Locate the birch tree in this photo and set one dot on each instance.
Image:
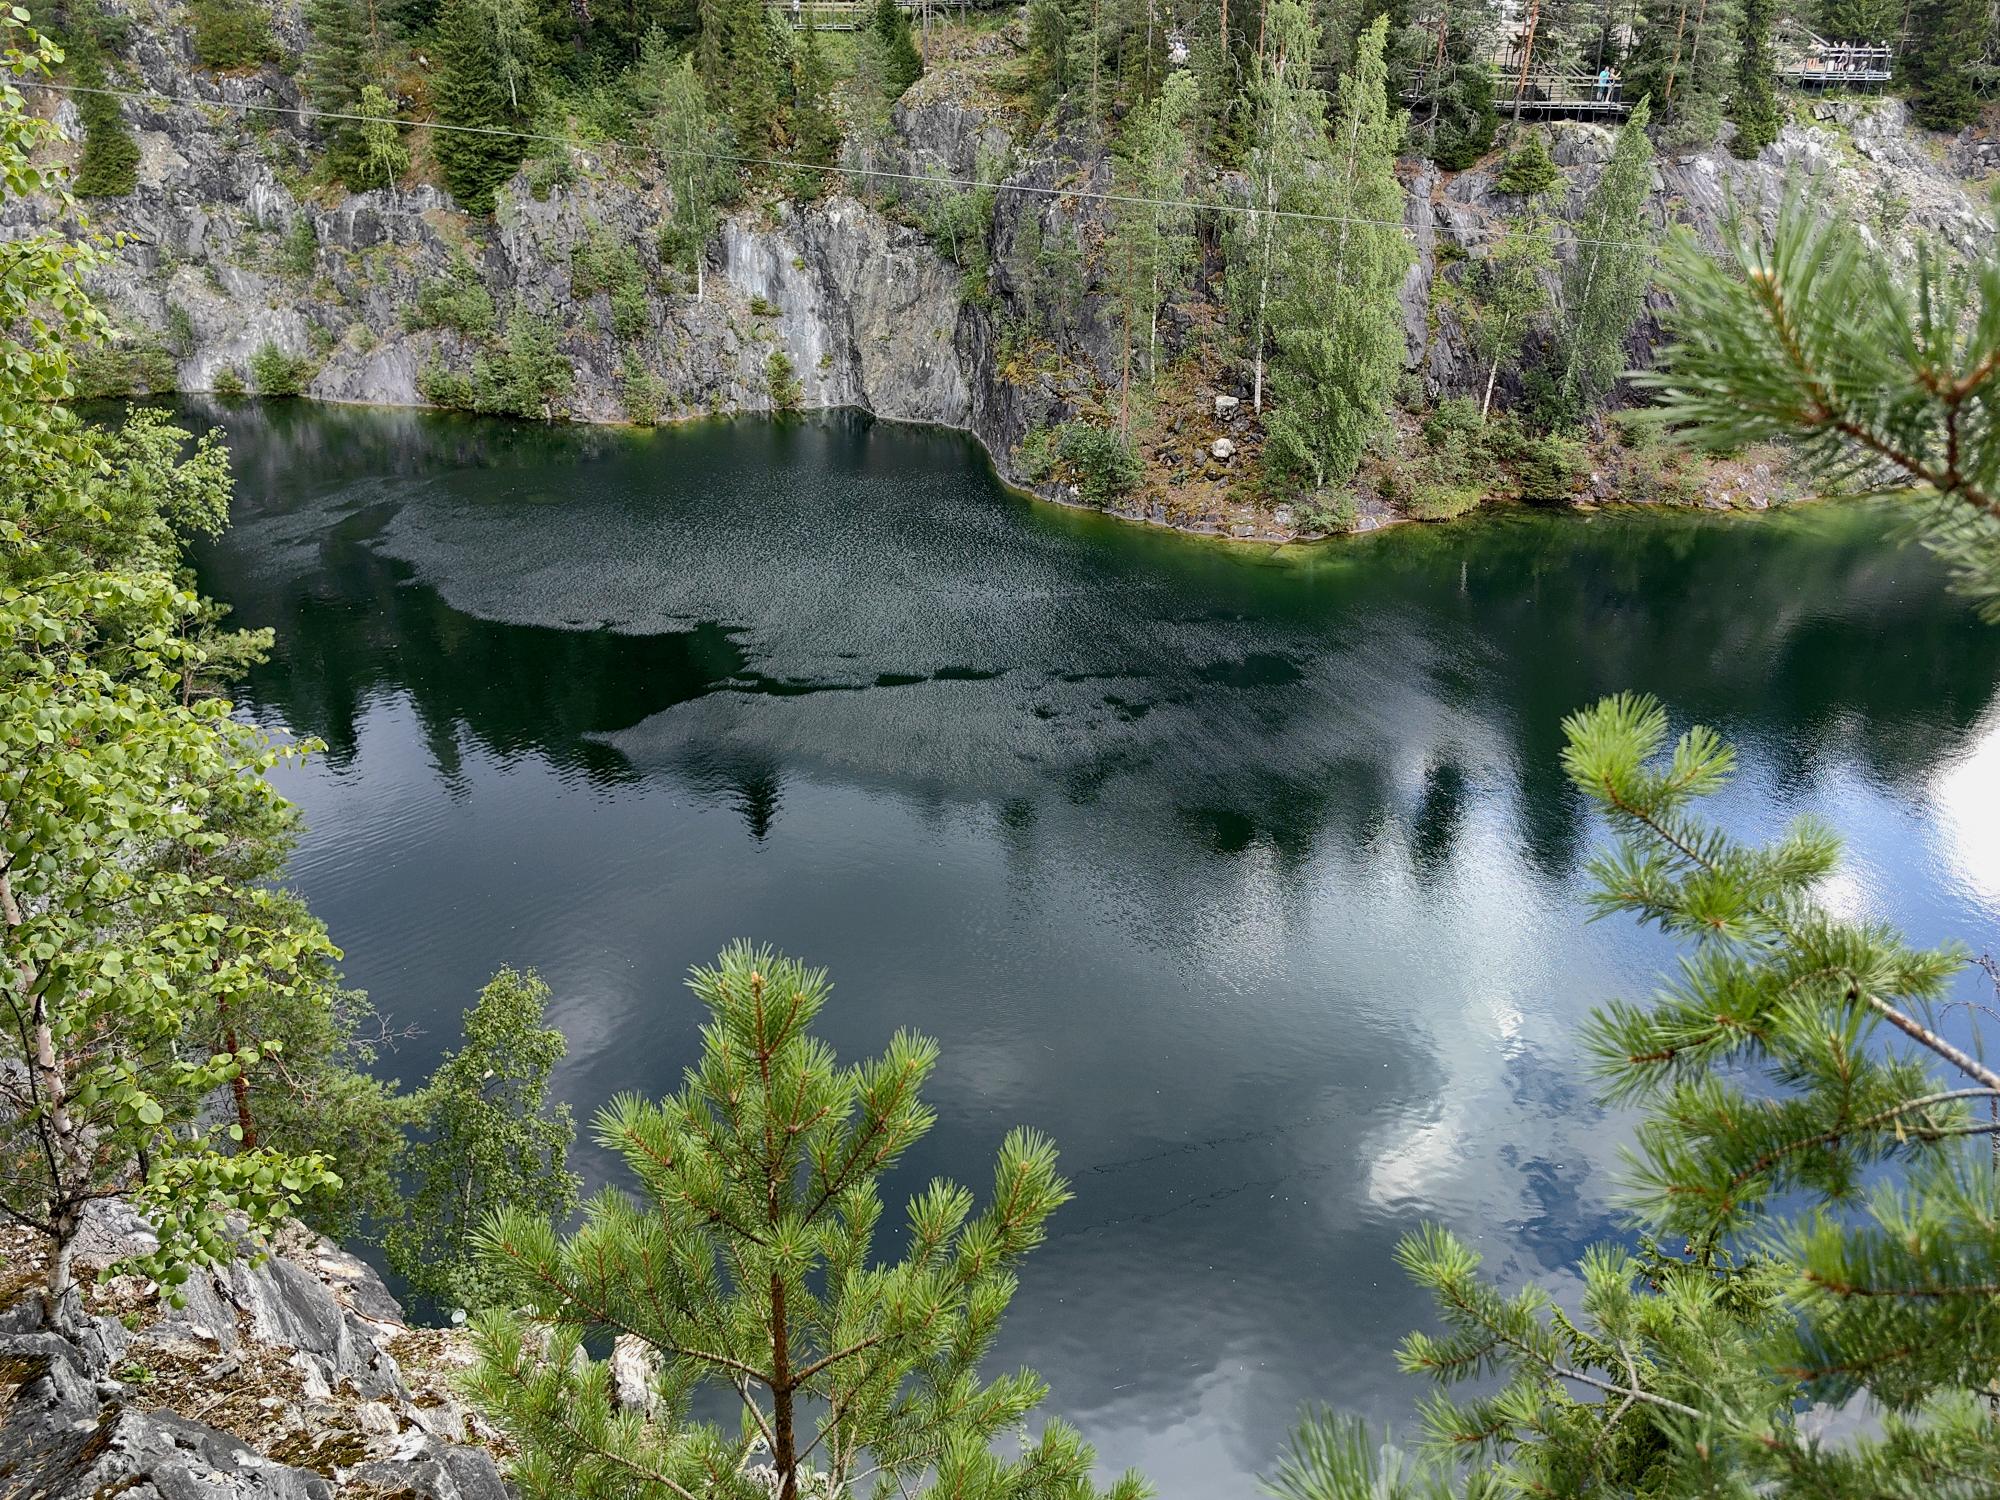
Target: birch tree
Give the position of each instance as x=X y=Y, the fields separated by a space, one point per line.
x=1338 y=333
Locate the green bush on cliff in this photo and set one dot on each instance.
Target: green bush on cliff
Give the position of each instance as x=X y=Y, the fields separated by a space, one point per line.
x=458 y=300
x=277 y=373
x=230 y=33
x=1100 y=458
x=109 y=165
x=786 y=392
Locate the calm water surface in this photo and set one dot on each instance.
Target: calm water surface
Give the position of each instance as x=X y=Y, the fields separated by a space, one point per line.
x=1250 y=877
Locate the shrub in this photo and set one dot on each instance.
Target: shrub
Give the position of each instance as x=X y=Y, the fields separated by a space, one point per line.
x=441 y=386
x=229 y=382
x=298 y=251
x=1550 y=468
x=527 y=376
x=277 y=373
x=180 y=330
x=1529 y=169
x=786 y=392
x=1102 y=460
x=458 y=300
x=1035 y=454
x=763 y=307
x=643 y=393
x=230 y=33
x=1455 y=418
x=110 y=368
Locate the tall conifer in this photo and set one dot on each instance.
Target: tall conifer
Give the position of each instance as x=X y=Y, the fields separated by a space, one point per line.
x=478 y=154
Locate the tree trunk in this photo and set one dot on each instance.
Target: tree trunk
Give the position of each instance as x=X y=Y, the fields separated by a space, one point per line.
x=239 y=1091
x=1487 y=405
x=784 y=1443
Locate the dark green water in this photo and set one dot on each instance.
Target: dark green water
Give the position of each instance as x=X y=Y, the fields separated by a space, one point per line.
x=1251 y=878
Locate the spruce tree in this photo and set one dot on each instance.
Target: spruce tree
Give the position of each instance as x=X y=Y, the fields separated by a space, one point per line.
x=476 y=154
x=746 y=1262
x=1338 y=330
x=736 y=57
x=340 y=64
x=1940 y=59
x=1876 y=21
x=815 y=124
x=109 y=164
x=1606 y=283
x=902 y=63
x=1754 y=106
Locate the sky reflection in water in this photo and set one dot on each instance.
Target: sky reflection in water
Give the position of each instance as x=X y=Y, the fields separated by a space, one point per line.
x=1249 y=877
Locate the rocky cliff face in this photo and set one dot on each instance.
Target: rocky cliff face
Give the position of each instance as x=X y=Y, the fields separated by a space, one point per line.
x=294 y=1379
x=866 y=309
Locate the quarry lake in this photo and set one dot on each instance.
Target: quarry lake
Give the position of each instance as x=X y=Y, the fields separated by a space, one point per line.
x=1251 y=877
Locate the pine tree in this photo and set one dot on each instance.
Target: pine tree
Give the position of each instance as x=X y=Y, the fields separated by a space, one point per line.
x=1754 y=106
x=1605 y=287
x=476 y=154
x=1874 y=381
x=747 y=1263
x=1338 y=330
x=491 y=1142
x=902 y=63
x=1940 y=57
x=1818 y=1141
x=1528 y=169
x=1440 y=55
x=1151 y=245
x=1860 y=20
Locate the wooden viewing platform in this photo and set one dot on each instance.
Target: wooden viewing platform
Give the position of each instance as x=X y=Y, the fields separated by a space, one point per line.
x=1541 y=95
x=1824 y=65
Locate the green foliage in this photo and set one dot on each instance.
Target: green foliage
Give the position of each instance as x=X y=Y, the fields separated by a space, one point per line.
x=1754 y=106
x=458 y=300
x=229 y=383
x=692 y=142
x=123 y=792
x=1809 y=336
x=1549 y=468
x=298 y=251
x=1529 y=169
x=1605 y=287
x=1860 y=20
x=1684 y=63
x=490 y=1141
x=383 y=157
x=1338 y=330
x=1510 y=295
x=902 y=63
x=1808 y=1134
x=109 y=164
x=1940 y=59
x=748 y=1264
x=736 y=57
x=475 y=91
x=344 y=76
x=122 y=367
x=231 y=34
x=782 y=382
x=603 y=262
x=1151 y=246
x=1099 y=459
x=277 y=373
x=813 y=120
x=643 y=393
x=527 y=376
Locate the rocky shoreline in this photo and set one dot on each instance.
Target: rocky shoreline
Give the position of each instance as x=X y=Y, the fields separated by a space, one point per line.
x=228 y=251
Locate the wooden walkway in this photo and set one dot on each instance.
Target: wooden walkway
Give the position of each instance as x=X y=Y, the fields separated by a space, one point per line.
x=1541 y=96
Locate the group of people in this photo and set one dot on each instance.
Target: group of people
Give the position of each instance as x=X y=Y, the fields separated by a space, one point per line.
x=1609 y=82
